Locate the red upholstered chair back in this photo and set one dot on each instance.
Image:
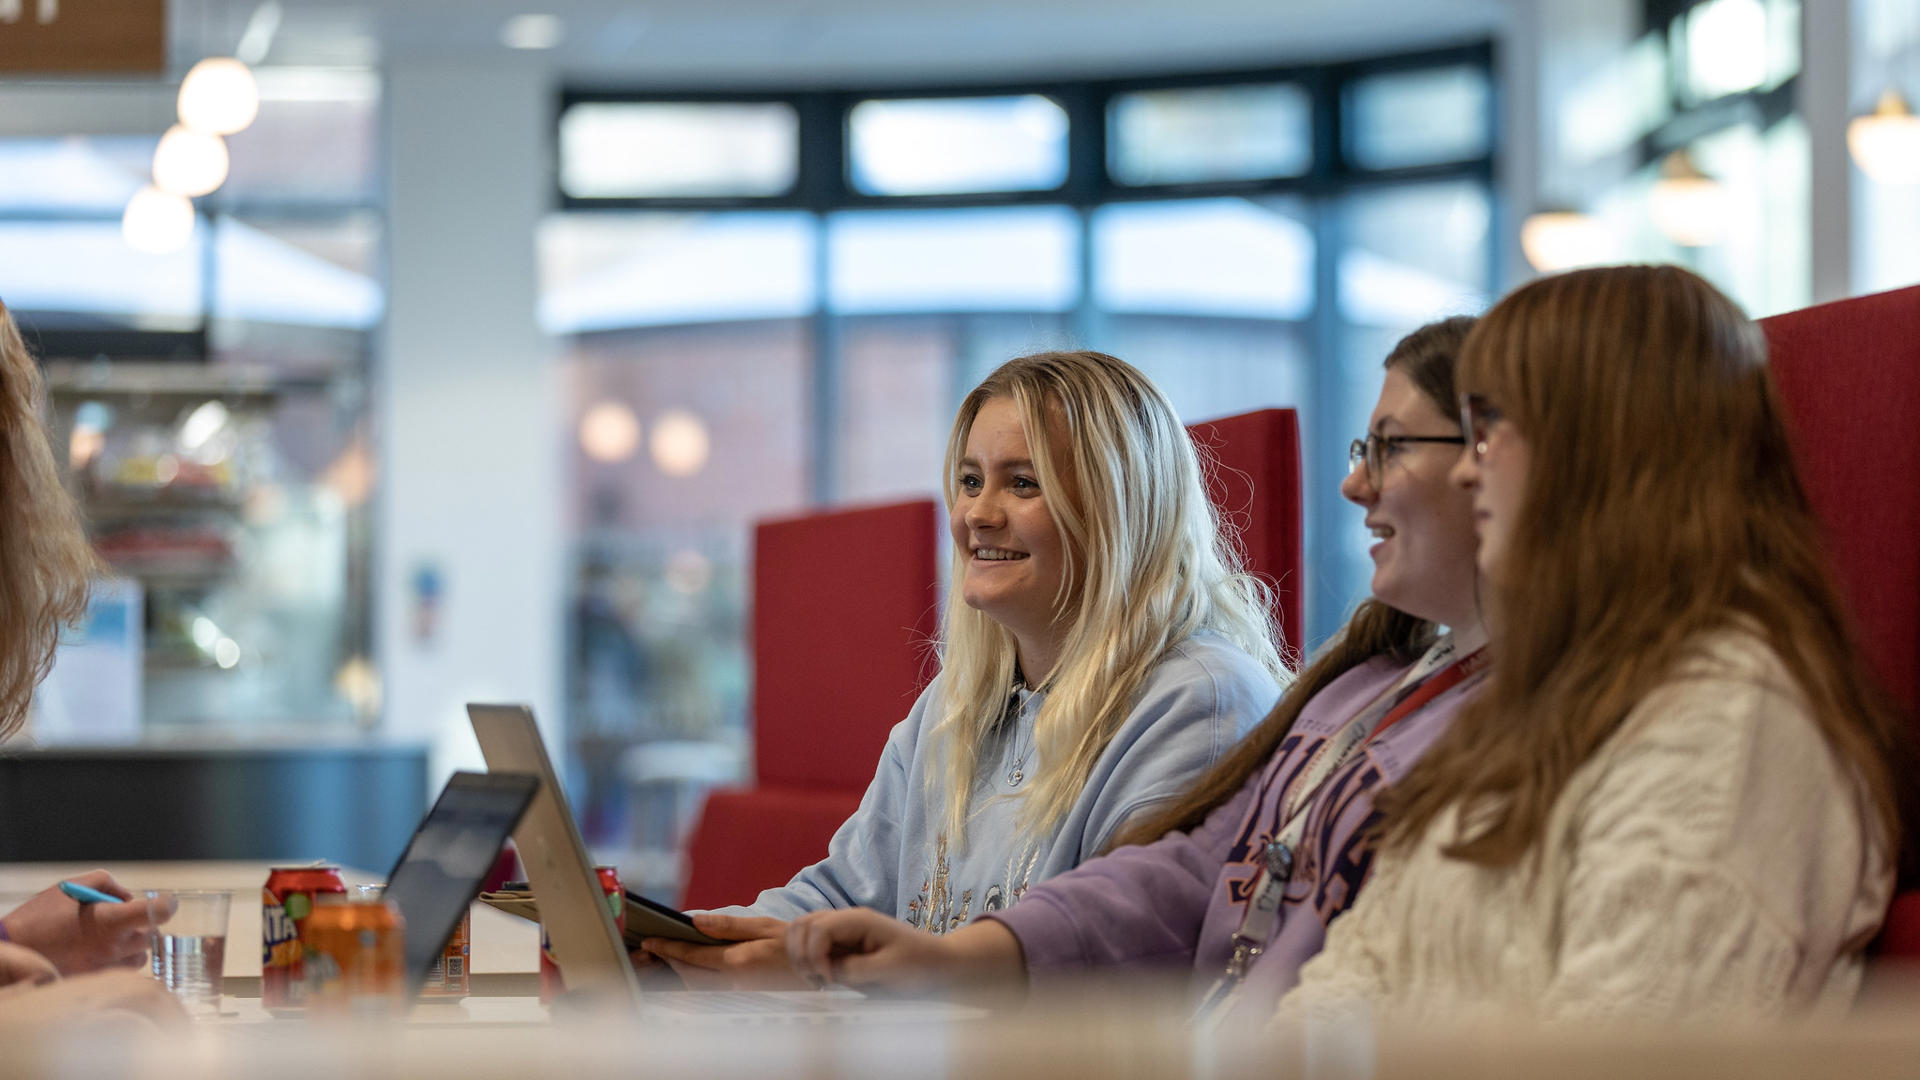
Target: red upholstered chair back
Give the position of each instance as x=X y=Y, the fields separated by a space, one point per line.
x=1254 y=478
x=844 y=607
x=1849 y=377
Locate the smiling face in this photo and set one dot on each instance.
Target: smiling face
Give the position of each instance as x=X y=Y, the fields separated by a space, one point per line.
x=1423 y=558
x=1014 y=555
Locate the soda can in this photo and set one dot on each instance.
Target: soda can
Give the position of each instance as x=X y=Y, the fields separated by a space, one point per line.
x=448 y=976
x=286 y=902
x=356 y=963
x=552 y=984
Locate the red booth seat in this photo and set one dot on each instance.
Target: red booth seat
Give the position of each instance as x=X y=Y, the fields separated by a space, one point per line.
x=844 y=612
x=1849 y=378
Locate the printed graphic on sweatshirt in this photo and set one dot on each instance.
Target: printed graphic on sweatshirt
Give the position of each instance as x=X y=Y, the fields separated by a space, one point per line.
x=937 y=911
x=1332 y=862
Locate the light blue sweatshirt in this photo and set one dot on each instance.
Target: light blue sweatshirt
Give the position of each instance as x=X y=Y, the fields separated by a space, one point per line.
x=892 y=856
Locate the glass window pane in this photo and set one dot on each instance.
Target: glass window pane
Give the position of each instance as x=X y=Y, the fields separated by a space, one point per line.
x=948 y=146
x=1211 y=368
x=1423 y=117
x=1415 y=253
x=82 y=273
x=1210 y=133
x=902 y=377
x=80 y=175
x=662 y=518
x=1236 y=257
x=604 y=271
x=316 y=140
x=678 y=149
x=1022 y=259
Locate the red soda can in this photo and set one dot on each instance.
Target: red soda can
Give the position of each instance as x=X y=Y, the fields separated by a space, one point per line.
x=448 y=976
x=286 y=901
x=552 y=985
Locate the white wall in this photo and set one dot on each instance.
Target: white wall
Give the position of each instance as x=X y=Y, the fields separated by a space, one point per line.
x=470 y=462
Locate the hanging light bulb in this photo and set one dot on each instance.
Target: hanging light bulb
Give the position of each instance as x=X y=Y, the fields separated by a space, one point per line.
x=157 y=222
x=1687 y=205
x=1559 y=239
x=189 y=163
x=1886 y=142
x=219 y=97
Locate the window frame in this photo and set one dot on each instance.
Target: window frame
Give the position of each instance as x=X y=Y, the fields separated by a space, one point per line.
x=823 y=180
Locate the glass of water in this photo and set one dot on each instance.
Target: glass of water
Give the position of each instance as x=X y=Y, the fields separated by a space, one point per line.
x=187 y=929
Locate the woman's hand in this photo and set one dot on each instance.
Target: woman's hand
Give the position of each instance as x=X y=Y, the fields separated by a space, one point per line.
x=22 y=967
x=757 y=958
x=105 y=996
x=82 y=937
x=864 y=948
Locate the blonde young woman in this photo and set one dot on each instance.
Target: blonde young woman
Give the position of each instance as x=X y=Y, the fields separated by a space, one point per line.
x=1677 y=795
x=1101 y=649
x=45 y=567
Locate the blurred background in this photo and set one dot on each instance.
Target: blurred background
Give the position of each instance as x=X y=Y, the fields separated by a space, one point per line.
x=406 y=354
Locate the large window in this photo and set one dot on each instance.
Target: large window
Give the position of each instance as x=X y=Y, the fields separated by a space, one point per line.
x=1249 y=239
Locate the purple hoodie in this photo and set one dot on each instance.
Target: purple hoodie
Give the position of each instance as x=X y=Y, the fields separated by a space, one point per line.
x=1177 y=902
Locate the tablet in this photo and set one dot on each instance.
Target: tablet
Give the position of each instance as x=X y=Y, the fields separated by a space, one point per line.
x=644 y=917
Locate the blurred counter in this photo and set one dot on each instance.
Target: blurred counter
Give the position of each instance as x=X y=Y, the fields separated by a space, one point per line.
x=351 y=801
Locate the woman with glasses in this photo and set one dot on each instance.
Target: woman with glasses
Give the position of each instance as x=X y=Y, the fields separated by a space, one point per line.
x=1676 y=795
x=1237 y=881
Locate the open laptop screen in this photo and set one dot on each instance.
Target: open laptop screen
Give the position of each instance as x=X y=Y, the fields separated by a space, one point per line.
x=448 y=858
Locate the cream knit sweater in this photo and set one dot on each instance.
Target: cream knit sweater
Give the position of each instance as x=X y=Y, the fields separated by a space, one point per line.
x=1712 y=859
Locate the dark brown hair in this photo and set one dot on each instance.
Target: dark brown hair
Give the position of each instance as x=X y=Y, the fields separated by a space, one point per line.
x=1426 y=357
x=1661 y=505
x=45 y=563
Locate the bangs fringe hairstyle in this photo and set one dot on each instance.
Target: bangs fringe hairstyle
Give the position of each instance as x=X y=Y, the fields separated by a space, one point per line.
x=1661 y=505
x=1426 y=357
x=45 y=562
x=1147 y=564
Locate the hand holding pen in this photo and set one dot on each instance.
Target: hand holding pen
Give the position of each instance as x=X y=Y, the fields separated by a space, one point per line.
x=86 y=923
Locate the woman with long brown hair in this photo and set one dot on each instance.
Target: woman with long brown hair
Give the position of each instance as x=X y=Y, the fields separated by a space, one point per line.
x=45 y=567
x=1280 y=827
x=1677 y=794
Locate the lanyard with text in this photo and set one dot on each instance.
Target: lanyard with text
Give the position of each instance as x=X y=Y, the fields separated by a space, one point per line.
x=1427 y=680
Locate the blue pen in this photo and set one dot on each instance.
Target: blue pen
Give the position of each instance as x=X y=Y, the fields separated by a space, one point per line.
x=88 y=896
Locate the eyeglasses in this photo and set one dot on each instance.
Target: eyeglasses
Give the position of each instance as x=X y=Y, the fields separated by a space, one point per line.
x=1372 y=451
x=1477 y=417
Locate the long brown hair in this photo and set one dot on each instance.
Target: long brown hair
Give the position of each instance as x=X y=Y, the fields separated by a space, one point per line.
x=1426 y=357
x=1661 y=504
x=45 y=563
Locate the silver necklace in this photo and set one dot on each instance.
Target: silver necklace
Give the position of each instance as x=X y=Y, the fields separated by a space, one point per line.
x=1018 y=771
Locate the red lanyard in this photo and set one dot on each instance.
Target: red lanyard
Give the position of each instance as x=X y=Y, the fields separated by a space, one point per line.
x=1429 y=688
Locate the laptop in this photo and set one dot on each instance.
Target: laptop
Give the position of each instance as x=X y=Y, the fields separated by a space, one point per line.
x=580 y=925
x=448 y=858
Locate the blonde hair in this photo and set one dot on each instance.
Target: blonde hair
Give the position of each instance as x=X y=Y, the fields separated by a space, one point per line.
x=45 y=562
x=1148 y=563
x=1661 y=505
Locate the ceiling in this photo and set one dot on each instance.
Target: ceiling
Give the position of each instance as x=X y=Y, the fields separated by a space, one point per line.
x=749 y=43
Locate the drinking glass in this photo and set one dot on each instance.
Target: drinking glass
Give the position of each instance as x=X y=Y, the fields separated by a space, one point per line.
x=187 y=929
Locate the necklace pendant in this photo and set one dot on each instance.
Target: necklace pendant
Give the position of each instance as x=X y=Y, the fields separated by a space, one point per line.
x=1014 y=777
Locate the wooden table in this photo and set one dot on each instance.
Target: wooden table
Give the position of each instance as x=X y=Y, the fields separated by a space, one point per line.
x=506 y=950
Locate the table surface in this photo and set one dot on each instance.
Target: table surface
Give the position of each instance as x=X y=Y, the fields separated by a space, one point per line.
x=505 y=956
